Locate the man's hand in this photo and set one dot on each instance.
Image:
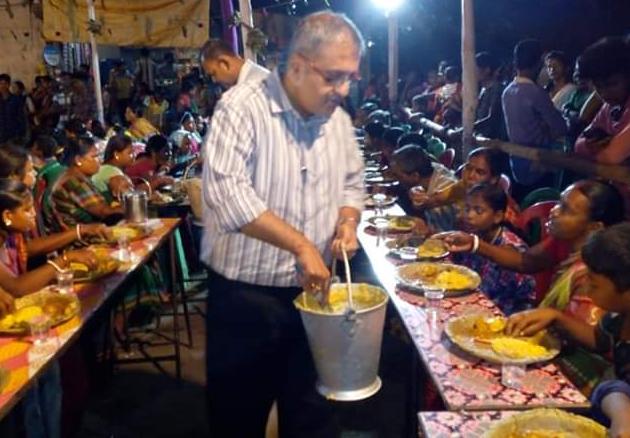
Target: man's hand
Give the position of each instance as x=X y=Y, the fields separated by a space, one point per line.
x=6 y=303
x=315 y=276
x=530 y=322
x=346 y=236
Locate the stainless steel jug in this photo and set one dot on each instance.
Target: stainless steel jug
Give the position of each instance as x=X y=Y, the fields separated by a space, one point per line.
x=136 y=203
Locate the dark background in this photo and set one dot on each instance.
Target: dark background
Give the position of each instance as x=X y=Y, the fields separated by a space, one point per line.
x=430 y=29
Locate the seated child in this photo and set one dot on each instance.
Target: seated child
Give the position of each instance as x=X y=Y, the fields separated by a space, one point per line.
x=607 y=258
x=484 y=215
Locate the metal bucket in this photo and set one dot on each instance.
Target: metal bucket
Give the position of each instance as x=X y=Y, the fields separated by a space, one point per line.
x=346 y=347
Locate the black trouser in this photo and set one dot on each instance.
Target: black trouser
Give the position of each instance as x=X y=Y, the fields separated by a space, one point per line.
x=256 y=353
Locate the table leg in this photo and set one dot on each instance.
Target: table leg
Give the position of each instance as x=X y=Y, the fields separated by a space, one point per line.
x=174 y=305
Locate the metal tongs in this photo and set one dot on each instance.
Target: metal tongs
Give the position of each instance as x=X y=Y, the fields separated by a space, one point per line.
x=323 y=297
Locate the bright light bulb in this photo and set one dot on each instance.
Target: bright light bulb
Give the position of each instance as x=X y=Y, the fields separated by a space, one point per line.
x=388 y=5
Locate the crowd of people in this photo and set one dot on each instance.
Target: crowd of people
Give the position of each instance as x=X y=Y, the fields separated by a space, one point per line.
x=283 y=188
x=573 y=278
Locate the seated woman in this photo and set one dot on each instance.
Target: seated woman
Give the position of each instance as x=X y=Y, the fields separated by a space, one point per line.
x=74 y=198
x=484 y=215
x=584 y=208
x=482 y=165
x=41 y=404
x=187 y=130
x=16 y=164
x=609 y=287
x=17 y=218
x=154 y=163
x=139 y=127
x=607 y=64
x=110 y=180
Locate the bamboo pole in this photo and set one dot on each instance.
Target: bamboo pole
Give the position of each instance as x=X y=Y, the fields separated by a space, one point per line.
x=245 y=8
x=392 y=41
x=469 y=77
x=576 y=163
x=96 y=70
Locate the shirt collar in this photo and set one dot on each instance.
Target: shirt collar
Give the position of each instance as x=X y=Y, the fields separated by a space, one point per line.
x=523 y=80
x=280 y=102
x=242 y=75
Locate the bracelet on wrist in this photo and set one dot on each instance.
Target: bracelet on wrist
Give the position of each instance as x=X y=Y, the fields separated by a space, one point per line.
x=79 y=237
x=55 y=265
x=475 y=246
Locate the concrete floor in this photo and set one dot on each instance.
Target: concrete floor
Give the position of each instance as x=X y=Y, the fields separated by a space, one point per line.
x=140 y=401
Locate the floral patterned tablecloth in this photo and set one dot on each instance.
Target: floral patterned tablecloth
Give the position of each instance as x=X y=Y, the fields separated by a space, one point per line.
x=464 y=381
x=458 y=424
x=16 y=353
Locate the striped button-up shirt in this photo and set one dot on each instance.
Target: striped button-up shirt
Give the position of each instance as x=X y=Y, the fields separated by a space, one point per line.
x=262 y=155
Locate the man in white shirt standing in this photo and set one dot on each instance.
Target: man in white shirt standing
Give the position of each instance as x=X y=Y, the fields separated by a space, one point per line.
x=283 y=187
x=226 y=67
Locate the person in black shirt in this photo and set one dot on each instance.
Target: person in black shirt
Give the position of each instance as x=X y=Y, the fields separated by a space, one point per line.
x=12 y=115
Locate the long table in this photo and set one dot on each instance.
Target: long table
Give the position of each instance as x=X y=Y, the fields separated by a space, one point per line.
x=459 y=424
x=16 y=353
x=464 y=382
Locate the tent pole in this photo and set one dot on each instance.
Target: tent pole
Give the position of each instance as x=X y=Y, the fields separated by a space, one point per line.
x=96 y=71
x=469 y=77
x=392 y=40
x=245 y=7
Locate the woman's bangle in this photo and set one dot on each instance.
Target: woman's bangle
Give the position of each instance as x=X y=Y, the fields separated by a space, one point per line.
x=79 y=238
x=475 y=246
x=55 y=265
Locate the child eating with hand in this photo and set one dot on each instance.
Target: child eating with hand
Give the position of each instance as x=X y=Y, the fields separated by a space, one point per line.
x=607 y=258
x=484 y=215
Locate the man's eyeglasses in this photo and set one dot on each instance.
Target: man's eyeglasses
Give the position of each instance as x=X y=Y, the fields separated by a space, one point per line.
x=333 y=79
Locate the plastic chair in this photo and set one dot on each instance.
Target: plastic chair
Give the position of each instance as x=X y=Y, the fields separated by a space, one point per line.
x=532 y=221
x=540 y=195
x=505 y=183
x=447 y=158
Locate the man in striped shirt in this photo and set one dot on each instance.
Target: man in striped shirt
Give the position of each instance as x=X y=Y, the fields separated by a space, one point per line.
x=283 y=187
x=226 y=67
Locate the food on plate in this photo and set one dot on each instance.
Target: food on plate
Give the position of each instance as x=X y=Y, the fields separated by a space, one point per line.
x=58 y=308
x=132 y=232
x=401 y=223
x=79 y=267
x=431 y=248
x=515 y=348
x=486 y=327
x=161 y=198
x=545 y=423
x=538 y=433
x=20 y=317
x=451 y=279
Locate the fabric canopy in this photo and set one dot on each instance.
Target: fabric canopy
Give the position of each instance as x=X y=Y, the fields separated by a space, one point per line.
x=151 y=23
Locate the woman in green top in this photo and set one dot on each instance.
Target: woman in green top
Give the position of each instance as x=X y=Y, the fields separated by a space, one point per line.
x=111 y=180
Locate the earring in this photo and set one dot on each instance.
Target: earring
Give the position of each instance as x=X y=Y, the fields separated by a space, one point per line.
x=79 y=163
x=7 y=222
x=116 y=156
